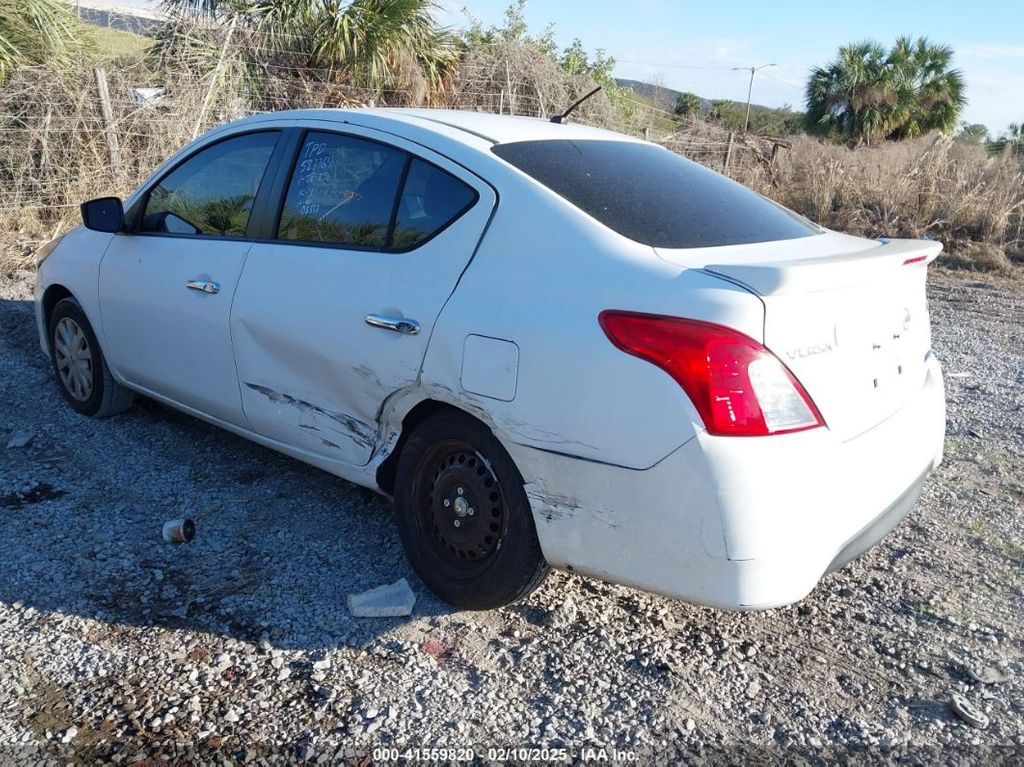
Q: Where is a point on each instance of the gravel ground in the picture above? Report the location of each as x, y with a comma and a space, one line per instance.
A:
115, 645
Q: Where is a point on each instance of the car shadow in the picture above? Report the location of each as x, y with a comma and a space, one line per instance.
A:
279, 544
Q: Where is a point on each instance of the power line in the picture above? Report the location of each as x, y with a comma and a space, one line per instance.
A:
675, 66
794, 86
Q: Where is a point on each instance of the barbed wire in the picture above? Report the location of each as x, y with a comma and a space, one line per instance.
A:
57, 147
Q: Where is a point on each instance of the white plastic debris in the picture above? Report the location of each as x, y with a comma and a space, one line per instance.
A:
144, 96
20, 439
389, 601
988, 675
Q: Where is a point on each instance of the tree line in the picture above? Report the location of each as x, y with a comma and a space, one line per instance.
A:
868, 93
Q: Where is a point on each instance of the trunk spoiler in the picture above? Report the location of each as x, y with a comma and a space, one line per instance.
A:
808, 275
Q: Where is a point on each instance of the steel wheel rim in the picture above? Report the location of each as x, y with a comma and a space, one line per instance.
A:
465, 530
73, 357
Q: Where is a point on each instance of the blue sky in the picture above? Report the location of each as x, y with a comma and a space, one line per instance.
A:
664, 41
654, 40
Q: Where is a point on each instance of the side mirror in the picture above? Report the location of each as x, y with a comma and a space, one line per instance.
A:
104, 214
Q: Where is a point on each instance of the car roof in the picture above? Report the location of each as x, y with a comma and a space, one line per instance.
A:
470, 127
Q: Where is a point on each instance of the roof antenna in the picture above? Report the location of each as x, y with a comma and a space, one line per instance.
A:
564, 117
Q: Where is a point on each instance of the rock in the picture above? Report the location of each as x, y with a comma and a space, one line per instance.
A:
231, 716
69, 733
988, 675
753, 689
690, 725
20, 439
967, 711
394, 600
322, 665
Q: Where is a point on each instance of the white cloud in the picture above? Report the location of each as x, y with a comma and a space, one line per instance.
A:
987, 52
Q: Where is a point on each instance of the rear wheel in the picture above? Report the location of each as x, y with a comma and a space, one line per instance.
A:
463, 516
81, 370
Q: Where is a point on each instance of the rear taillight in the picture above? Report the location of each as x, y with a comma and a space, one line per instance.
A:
738, 386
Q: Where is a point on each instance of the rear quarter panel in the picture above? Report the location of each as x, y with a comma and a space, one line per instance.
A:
541, 277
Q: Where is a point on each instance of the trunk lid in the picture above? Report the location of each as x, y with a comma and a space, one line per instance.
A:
849, 318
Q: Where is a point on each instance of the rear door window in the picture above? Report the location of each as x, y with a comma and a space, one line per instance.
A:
343, 191
652, 195
431, 200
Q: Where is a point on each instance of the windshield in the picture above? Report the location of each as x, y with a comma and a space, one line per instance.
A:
652, 195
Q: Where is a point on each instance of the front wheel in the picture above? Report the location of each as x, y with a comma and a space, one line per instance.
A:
81, 370
463, 515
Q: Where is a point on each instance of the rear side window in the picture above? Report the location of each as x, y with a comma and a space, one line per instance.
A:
342, 191
652, 195
213, 191
431, 199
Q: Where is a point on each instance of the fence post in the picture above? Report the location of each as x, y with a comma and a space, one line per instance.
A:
214, 77
511, 95
107, 110
728, 151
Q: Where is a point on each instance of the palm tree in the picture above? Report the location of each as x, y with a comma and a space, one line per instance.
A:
688, 104
870, 93
1012, 140
929, 94
378, 44
848, 96
34, 32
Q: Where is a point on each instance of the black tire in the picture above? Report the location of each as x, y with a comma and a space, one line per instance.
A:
479, 550
102, 396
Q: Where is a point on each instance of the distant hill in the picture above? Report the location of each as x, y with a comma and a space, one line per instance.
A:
665, 98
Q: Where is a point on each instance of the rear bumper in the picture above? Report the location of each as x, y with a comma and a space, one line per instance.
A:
737, 523
879, 527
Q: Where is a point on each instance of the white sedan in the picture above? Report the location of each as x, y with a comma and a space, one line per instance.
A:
554, 346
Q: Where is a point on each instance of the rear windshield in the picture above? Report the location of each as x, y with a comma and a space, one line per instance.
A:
652, 195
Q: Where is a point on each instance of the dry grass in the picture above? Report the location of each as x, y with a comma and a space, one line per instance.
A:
930, 187
54, 151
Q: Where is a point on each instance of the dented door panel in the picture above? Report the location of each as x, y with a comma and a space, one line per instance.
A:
313, 373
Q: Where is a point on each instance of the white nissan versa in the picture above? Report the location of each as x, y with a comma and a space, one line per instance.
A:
553, 345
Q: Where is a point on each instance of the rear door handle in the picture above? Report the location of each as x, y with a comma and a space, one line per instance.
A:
205, 286
397, 324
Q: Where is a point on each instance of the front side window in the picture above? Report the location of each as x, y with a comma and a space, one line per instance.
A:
431, 199
342, 191
211, 193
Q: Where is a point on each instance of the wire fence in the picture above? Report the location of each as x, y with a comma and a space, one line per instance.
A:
84, 133
65, 139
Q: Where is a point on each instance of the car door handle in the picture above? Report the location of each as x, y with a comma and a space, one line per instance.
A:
398, 324
203, 285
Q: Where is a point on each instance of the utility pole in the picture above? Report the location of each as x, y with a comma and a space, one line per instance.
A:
750, 88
